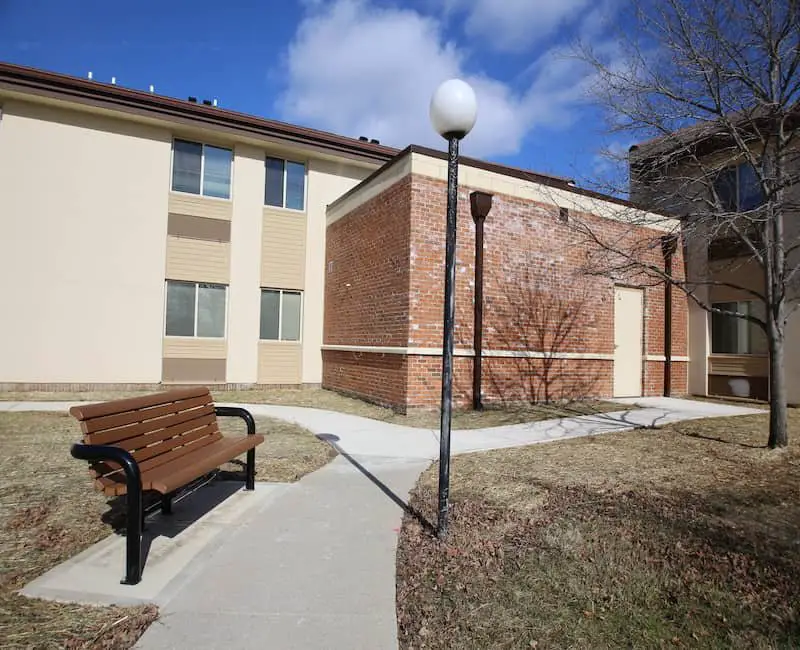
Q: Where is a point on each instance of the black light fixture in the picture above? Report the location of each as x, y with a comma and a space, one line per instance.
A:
481, 205
453, 112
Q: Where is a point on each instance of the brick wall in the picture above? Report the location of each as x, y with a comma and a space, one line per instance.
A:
537, 298
366, 266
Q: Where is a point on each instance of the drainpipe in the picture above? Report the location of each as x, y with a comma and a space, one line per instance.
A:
669, 244
481, 204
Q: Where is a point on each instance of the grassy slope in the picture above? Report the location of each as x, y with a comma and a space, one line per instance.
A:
680, 537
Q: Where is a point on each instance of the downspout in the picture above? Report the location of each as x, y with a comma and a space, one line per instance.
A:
669, 244
480, 204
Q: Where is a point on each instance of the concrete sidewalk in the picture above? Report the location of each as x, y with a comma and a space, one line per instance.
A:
313, 565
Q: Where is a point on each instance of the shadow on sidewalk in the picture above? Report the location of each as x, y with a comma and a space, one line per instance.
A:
332, 440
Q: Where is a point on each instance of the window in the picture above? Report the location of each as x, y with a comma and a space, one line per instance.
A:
195, 309
201, 169
286, 184
738, 188
733, 335
280, 315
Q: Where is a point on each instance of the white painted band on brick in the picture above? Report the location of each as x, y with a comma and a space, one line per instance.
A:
498, 354
661, 357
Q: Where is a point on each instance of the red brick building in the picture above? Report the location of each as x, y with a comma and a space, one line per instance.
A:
551, 331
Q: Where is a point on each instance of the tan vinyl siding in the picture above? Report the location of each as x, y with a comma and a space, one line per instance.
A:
184, 347
283, 250
738, 365
196, 260
193, 371
200, 206
279, 363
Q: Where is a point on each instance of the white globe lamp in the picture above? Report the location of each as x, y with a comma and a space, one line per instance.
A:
454, 109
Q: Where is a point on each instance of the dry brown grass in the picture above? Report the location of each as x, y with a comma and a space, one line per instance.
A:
493, 416
686, 536
49, 512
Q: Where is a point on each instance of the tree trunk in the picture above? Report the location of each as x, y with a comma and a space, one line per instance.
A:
778, 434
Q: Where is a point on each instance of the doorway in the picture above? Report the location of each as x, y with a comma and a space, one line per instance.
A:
628, 330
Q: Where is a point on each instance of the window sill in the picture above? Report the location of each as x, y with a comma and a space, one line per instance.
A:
276, 342
276, 209
201, 196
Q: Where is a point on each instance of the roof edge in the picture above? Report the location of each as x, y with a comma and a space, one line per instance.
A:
69, 88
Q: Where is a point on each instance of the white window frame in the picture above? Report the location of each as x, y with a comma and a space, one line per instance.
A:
285, 177
202, 170
280, 338
196, 309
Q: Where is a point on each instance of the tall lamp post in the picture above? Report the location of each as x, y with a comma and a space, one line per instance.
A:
453, 112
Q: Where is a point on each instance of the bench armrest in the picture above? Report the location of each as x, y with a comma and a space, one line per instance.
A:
235, 411
117, 455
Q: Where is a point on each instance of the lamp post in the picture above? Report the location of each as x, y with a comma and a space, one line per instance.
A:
453, 112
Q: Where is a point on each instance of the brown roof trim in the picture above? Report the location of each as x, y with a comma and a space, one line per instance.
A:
557, 182
34, 81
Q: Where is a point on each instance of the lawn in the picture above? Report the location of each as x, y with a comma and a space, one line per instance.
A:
684, 536
329, 400
49, 519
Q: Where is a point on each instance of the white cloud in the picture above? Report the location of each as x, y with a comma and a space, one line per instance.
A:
515, 25
359, 69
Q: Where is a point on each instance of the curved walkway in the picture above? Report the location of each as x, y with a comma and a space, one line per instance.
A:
314, 565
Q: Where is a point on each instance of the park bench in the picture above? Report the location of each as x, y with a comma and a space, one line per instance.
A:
160, 443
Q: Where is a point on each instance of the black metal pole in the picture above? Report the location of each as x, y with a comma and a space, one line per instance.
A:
447, 347
669, 245
477, 369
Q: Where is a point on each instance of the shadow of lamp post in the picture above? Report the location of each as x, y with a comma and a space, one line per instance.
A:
453, 112
480, 204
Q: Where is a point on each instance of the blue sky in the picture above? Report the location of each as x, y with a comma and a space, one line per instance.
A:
355, 67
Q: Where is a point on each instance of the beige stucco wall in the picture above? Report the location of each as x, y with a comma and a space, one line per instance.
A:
244, 297
83, 207
327, 181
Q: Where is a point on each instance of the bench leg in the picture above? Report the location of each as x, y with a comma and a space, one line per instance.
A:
133, 541
250, 479
166, 504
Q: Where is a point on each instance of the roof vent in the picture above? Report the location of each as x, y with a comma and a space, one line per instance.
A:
363, 138
90, 74
374, 141
113, 81
152, 89
206, 102
214, 103
193, 100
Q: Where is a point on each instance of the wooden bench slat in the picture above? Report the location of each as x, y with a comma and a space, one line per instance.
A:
170, 476
177, 452
105, 427
132, 444
168, 479
83, 412
160, 442
152, 425
146, 453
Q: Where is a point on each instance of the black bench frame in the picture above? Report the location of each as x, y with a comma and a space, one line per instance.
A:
133, 479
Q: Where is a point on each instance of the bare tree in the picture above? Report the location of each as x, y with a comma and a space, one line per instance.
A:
712, 89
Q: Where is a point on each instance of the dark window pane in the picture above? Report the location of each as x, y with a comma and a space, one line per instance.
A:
290, 316
186, 161
180, 308
270, 314
211, 310
274, 190
725, 187
217, 172
750, 194
295, 185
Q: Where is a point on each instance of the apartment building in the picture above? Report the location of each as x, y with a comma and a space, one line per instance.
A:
684, 175
151, 240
